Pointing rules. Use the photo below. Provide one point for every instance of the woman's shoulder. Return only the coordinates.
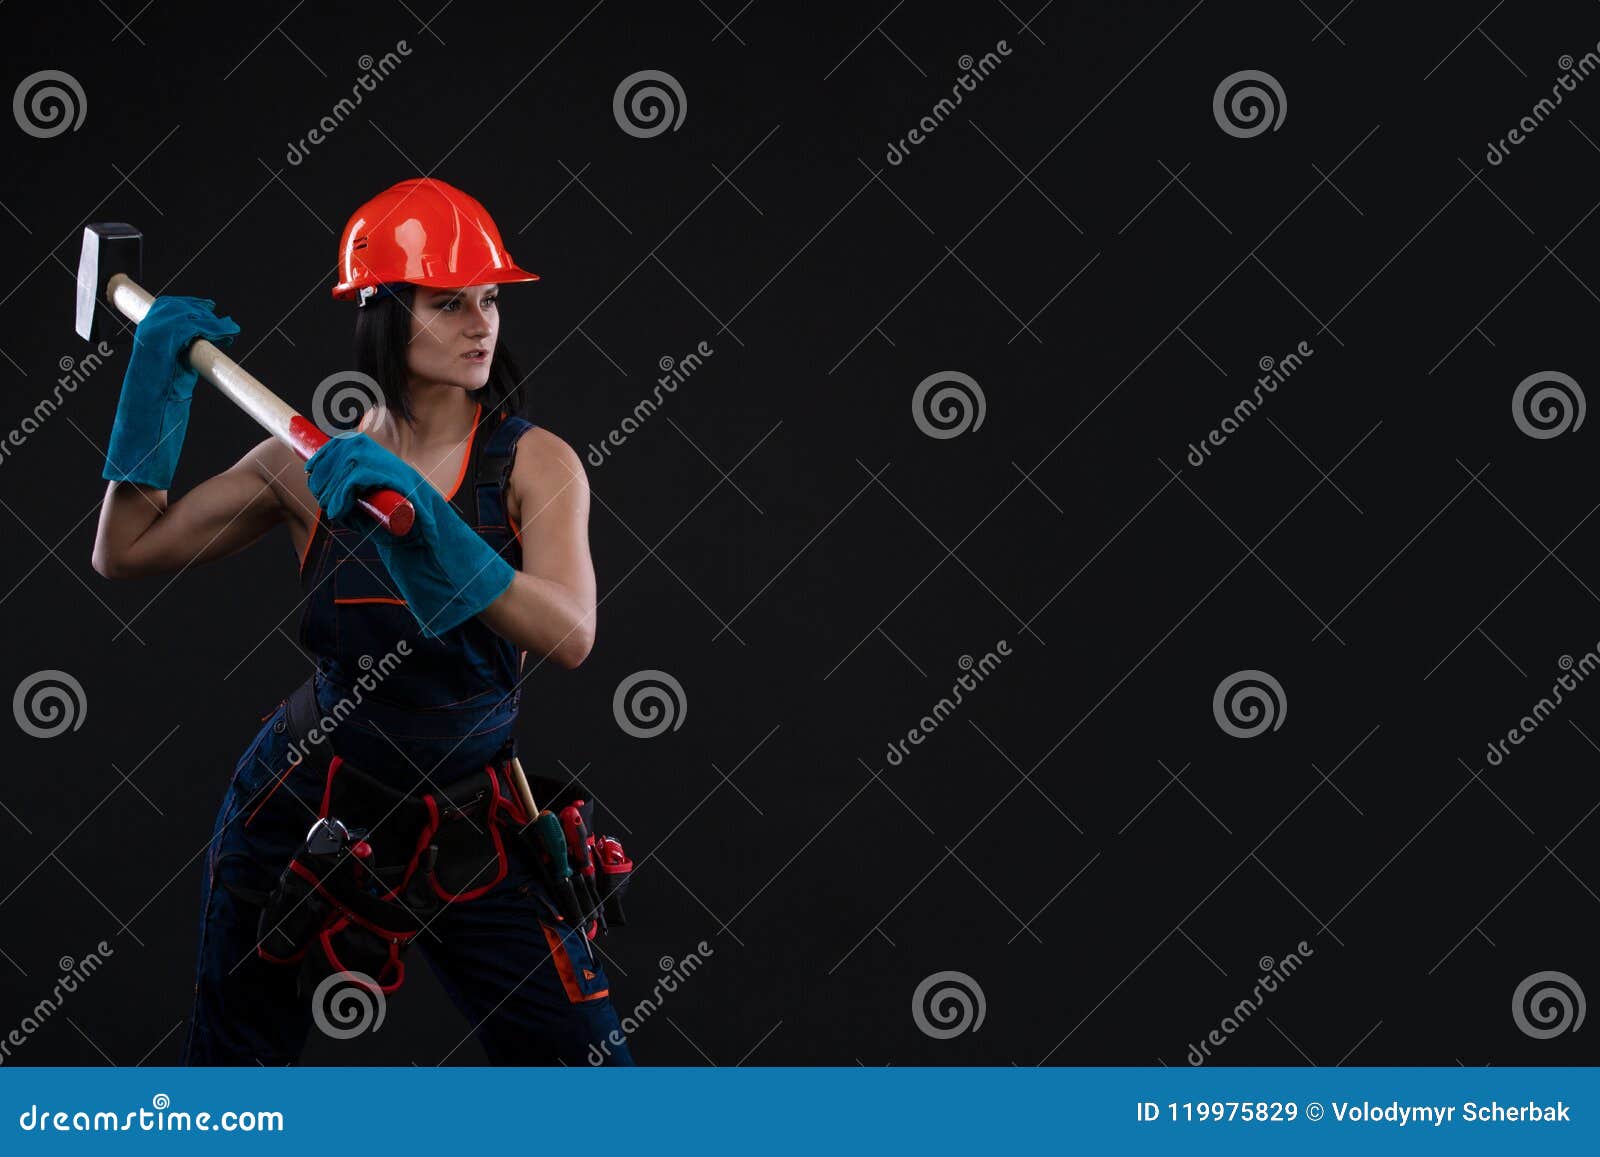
(279, 464)
(538, 449)
(283, 471)
(544, 469)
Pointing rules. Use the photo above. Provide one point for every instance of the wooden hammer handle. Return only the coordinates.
(274, 415)
(519, 781)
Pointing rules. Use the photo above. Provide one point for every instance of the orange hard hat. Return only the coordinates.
(425, 232)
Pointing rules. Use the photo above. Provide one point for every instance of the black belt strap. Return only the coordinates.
(303, 716)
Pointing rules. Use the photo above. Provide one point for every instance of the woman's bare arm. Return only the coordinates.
(549, 608)
(141, 534)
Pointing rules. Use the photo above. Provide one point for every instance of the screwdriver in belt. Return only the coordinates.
(554, 841)
(582, 861)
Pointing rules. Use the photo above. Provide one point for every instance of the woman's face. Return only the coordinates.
(453, 333)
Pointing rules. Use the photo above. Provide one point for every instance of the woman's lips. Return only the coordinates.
(476, 355)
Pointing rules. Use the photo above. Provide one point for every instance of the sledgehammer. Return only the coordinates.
(107, 267)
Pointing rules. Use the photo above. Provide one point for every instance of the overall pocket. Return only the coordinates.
(582, 977)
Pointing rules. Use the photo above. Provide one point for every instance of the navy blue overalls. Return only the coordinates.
(532, 988)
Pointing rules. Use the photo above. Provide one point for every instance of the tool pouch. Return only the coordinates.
(353, 902)
(612, 870)
(600, 868)
(323, 917)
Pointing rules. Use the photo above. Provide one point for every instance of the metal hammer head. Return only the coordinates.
(109, 248)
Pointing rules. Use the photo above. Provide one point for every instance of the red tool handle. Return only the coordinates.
(389, 507)
(577, 837)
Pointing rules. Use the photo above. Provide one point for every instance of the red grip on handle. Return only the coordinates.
(391, 508)
(577, 841)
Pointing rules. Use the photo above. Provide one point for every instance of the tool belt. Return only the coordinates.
(379, 863)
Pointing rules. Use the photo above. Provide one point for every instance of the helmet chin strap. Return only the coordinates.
(367, 291)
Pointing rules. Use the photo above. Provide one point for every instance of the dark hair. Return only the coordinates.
(383, 338)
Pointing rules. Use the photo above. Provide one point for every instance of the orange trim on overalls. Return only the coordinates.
(569, 978)
(310, 538)
(466, 459)
(276, 785)
(372, 599)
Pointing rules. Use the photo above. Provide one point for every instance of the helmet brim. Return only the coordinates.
(347, 290)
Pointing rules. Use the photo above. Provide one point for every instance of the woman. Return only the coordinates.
(419, 643)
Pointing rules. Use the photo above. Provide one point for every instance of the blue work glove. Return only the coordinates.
(153, 409)
(446, 572)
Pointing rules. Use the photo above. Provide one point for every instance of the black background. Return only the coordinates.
(1451, 553)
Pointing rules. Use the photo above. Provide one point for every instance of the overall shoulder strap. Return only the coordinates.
(493, 468)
